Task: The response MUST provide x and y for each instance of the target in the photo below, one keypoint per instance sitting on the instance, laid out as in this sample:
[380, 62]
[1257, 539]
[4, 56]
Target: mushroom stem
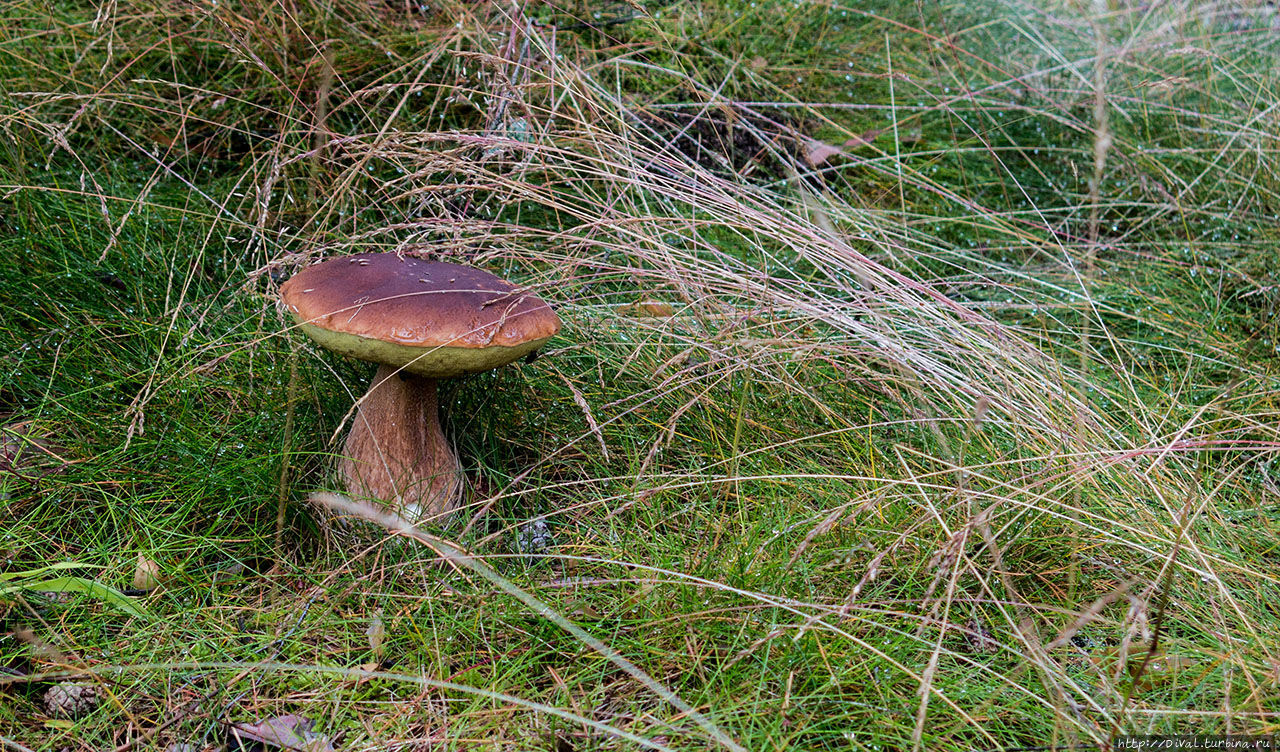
[396, 451]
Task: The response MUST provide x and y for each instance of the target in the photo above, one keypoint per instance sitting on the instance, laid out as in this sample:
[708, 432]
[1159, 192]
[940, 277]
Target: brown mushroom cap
[428, 317]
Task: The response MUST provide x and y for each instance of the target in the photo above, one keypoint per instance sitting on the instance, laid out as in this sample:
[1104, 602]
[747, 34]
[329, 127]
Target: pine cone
[70, 700]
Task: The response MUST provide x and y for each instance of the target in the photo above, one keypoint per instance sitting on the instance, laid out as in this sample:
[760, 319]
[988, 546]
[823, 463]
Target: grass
[959, 437]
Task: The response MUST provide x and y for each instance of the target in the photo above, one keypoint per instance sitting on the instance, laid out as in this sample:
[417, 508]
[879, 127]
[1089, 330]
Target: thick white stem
[397, 453]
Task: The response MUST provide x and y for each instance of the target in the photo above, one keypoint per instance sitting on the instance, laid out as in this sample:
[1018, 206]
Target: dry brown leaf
[911, 136]
[647, 309]
[863, 139]
[289, 732]
[40, 649]
[817, 153]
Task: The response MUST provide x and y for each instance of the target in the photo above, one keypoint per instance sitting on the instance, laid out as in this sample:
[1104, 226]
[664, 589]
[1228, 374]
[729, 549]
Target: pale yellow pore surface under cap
[439, 362]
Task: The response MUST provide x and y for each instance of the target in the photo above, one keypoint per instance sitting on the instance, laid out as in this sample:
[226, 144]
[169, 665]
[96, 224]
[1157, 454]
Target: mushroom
[421, 321]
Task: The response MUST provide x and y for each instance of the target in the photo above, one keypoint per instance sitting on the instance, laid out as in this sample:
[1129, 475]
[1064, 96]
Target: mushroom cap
[431, 318]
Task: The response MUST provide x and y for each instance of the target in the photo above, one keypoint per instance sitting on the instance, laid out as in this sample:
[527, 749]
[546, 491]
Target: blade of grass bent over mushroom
[420, 321]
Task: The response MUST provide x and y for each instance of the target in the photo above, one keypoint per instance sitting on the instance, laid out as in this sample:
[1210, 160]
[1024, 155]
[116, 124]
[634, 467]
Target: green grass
[931, 440]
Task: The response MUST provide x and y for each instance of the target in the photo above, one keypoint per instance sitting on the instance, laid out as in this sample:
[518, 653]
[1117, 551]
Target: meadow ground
[917, 389]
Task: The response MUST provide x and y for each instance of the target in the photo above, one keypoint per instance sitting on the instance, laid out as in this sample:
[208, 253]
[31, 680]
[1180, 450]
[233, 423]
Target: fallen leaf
[39, 649]
[582, 610]
[817, 153]
[863, 139]
[289, 732]
[639, 596]
[648, 309]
